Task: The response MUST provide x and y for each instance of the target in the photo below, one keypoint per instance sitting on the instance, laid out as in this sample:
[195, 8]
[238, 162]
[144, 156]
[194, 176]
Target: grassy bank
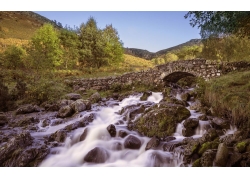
[229, 97]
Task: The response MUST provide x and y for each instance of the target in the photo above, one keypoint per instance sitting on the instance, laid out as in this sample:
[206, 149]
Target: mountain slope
[20, 24]
[149, 55]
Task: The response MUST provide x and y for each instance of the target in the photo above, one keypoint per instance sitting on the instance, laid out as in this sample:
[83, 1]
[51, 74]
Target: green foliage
[45, 90]
[170, 57]
[158, 61]
[70, 44]
[99, 47]
[228, 48]
[189, 52]
[4, 96]
[45, 49]
[220, 22]
[13, 57]
[113, 46]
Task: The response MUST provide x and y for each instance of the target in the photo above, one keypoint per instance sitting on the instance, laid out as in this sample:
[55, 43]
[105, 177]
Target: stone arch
[176, 76]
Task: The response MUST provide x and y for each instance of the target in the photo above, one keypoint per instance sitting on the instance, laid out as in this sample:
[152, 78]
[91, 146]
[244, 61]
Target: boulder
[207, 158]
[65, 111]
[84, 134]
[192, 147]
[132, 110]
[132, 142]
[94, 98]
[187, 132]
[58, 136]
[28, 108]
[153, 143]
[168, 138]
[210, 135]
[3, 119]
[15, 145]
[221, 155]
[25, 121]
[122, 133]
[234, 159]
[145, 95]
[170, 146]
[78, 106]
[191, 123]
[45, 122]
[196, 105]
[97, 155]
[112, 130]
[73, 96]
[185, 96]
[160, 120]
[220, 123]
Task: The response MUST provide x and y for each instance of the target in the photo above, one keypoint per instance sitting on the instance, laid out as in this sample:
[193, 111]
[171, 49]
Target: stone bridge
[163, 74]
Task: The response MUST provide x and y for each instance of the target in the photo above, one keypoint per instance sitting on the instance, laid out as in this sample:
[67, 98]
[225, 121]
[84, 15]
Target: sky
[149, 30]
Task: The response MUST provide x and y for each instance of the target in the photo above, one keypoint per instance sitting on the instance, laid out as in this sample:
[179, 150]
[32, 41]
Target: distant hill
[21, 24]
[149, 55]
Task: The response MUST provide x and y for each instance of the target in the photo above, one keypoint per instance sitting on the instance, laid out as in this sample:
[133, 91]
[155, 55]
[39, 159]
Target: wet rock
[187, 140]
[88, 104]
[112, 130]
[196, 105]
[221, 155]
[192, 147]
[191, 123]
[234, 159]
[30, 157]
[160, 120]
[131, 111]
[203, 117]
[185, 96]
[220, 123]
[207, 158]
[97, 155]
[170, 146]
[94, 98]
[45, 122]
[57, 121]
[169, 138]
[26, 121]
[64, 102]
[14, 146]
[145, 95]
[3, 119]
[84, 134]
[25, 109]
[58, 136]
[187, 132]
[73, 96]
[153, 143]
[132, 142]
[228, 140]
[65, 111]
[122, 133]
[78, 106]
[210, 135]
[173, 100]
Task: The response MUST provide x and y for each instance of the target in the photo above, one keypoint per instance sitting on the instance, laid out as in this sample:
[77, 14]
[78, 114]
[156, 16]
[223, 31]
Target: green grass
[229, 96]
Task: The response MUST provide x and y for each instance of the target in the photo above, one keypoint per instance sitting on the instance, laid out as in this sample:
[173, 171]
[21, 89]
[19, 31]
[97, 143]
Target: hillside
[20, 24]
[149, 55]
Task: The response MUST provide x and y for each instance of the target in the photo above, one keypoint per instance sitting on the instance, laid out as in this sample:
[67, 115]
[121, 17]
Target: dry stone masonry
[161, 74]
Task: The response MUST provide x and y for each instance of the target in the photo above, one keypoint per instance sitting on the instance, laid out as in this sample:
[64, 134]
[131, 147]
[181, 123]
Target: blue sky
[150, 30]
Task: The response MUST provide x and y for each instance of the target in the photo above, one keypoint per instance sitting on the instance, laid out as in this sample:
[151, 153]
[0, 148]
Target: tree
[13, 57]
[45, 49]
[220, 23]
[92, 48]
[113, 46]
[70, 43]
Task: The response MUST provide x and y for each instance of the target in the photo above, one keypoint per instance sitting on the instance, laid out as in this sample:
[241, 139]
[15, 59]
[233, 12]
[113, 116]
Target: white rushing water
[74, 151]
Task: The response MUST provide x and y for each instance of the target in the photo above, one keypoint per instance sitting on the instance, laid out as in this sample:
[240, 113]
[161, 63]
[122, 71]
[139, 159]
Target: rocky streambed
[144, 129]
